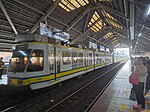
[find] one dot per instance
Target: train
(37, 63)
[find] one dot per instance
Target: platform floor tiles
(4, 79)
(116, 96)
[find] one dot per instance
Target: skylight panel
(95, 23)
(111, 20)
(114, 41)
(108, 35)
(108, 15)
(70, 5)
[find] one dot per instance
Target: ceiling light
(148, 11)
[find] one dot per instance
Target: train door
(51, 60)
(85, 59)
(58, 59)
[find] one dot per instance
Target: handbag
(133, 79)
(132, 95)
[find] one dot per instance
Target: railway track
(59, 99)
(64, 103)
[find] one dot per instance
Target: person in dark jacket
(147, 88)
(1, 67)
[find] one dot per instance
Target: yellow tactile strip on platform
(125, 108)
(121, 103)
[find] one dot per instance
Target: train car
(39, 64)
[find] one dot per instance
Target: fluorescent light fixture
(140, 34)
(148, 11)
(23, 53)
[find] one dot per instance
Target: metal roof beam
(144, 26)
(86, 22)
(11, 36)
(75, 29)
(132, 19)
(126, 10)
(145, 37)
(7, 16)
(4, 40)
(6, 46)
(3, 43)
(48, 12)
(29, 6)
(113, 30)
(111, 10)
(144, 43)
(77, 19)
(78, 37)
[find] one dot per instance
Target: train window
(58, 55)
(80, 57)
(58, 59)
(97, 60)
(90, 59)
(74, 57)
(66, 58)
(19, 60)
(51, 59)
(36, 62)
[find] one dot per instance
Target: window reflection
(81, 59)
(19, 60)
(66, 58)
(36, 61)
(90, 59)
(51, 60)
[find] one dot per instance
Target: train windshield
(19, 60)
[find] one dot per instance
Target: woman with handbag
(141, 72)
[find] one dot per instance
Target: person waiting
(1, 67)
(147, 88)
(141, 71)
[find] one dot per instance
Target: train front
(25, 64)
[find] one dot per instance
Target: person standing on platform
(1, 67)
(147, 88)
(141, 71)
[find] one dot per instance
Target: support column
(132, 27)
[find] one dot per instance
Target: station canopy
(105, 22)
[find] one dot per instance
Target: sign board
(44, 30)
(107, 49)
(63, 36)
(92, 45)
(53, 33)
(101, 48)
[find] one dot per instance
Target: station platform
(4, 79)
(116, 97)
